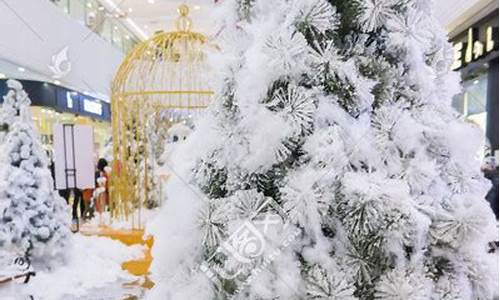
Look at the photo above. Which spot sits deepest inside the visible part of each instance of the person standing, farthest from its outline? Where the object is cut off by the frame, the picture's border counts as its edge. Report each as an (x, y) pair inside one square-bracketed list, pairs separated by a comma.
[(101, 183), (490, 171)]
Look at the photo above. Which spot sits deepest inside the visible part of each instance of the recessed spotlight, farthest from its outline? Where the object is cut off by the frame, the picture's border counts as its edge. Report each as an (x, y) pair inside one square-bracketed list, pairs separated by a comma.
[(2, 76), (21, 69), (127, 37), (151, 1), (101, 8), (196, 7), (89, 4), (57, 82), (115, 28), (130, 9)]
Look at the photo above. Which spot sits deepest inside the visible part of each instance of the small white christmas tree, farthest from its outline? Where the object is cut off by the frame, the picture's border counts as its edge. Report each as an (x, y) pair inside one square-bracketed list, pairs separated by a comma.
[(33, 218), (331, 165), (8, 111)]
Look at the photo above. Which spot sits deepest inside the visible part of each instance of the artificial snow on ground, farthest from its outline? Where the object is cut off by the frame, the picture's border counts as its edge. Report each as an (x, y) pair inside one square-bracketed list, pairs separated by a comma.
[(92, 266)]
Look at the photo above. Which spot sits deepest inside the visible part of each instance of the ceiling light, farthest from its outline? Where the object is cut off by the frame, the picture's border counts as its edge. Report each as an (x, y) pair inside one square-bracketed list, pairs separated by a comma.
[(21, 69), (127, 37), (115, 28), (151, 1), (130, 9), (101, 8), (89, 4), (57, 82), (2, 76), (196, 7)]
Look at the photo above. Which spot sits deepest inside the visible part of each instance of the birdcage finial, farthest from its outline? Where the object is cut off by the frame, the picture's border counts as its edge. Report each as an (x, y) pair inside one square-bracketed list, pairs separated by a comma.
[(183, 23)]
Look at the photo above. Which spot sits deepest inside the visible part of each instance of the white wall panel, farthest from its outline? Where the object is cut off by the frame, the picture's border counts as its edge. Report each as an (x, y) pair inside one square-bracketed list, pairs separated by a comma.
[(32, 31)]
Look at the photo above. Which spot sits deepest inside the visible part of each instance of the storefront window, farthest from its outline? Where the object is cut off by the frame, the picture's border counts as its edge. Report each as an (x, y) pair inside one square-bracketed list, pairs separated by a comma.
[(472, 101)]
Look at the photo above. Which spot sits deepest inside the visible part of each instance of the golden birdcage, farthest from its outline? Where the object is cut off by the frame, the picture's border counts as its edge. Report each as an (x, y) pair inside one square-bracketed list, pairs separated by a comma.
[(160, 80)]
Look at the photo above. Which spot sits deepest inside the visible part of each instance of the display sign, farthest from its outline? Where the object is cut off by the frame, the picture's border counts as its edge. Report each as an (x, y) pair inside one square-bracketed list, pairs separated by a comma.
[(74, 156), (62, 99), (476, 42), (69, 99), (92, 106)]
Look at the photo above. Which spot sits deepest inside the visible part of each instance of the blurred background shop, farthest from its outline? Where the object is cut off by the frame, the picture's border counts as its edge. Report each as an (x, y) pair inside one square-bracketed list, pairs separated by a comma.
[(475, 42), (473, 33), (66, 53), (53, 104)]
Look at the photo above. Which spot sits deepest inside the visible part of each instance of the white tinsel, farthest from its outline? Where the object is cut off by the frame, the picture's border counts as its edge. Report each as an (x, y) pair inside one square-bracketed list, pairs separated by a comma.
[(211, 221), (295, 105), (286, 49), (318, 14), (376, 13), (412, 27), (399, 284), (322, 284)]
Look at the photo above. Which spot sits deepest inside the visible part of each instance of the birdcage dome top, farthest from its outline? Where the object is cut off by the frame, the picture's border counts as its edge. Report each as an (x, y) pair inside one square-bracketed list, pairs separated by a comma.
[(169, 68)]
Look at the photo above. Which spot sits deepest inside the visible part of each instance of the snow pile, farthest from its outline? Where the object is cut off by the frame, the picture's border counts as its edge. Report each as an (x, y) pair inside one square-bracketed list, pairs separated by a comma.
[(91, 263)]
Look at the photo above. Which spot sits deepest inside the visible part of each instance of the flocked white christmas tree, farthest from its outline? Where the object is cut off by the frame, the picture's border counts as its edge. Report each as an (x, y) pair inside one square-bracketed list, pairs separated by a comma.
[(8, 111), (330, 166), (33, 218)]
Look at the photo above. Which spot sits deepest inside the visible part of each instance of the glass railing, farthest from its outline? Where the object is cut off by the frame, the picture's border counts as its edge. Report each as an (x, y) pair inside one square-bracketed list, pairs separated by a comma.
[(102, 22)]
